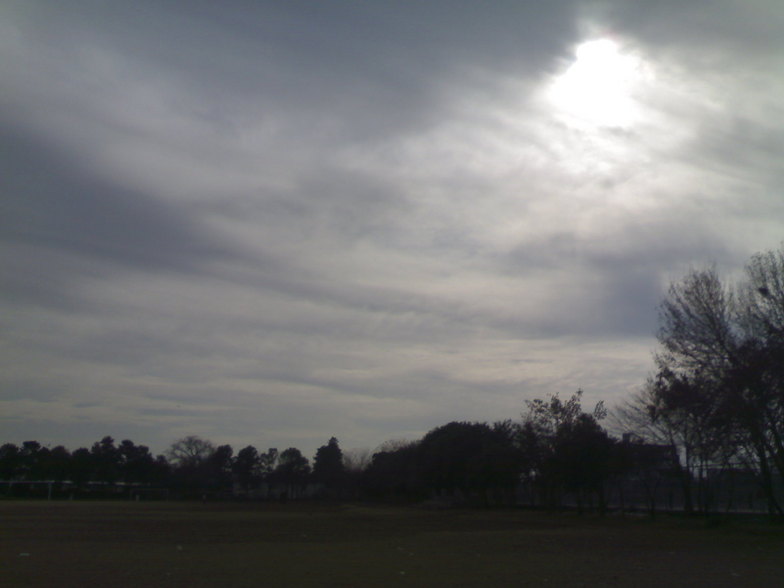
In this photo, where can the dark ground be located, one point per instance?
(193, 544)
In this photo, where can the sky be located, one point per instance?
(271, 223)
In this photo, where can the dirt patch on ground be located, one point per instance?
(180, 544)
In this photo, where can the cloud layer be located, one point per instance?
(270, 224)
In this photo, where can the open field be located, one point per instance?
(181, 544)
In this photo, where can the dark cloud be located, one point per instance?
(363, 71)
(49, 201)
(60, 222)
(710, 31)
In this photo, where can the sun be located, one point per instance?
(597, 88)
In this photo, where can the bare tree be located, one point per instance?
(720, 381)
(755, 384)
(696, 330)
(190, 451)
(357, 460)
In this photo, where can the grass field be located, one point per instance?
(182, 544)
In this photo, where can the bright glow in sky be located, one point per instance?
(598, 87)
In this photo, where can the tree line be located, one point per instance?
(557, 443)
(191, 466)
(711, 417)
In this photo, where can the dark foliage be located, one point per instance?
(328, 466)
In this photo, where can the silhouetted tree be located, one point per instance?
(753, 397)
(355, 464)
(246, 467)
(32, 460)
(137, 464)
(189, 451)
(328, 465)
(218, 468)
(469, 459)
(106, 461)
(57, 464)
(357, 460)
(583, 458)
(721, 361)
(293, 470)
(755, 384)
(10, 462)
(190, 466)
(268, 462)
(565, 449)
(393, 472)
(81, 467)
